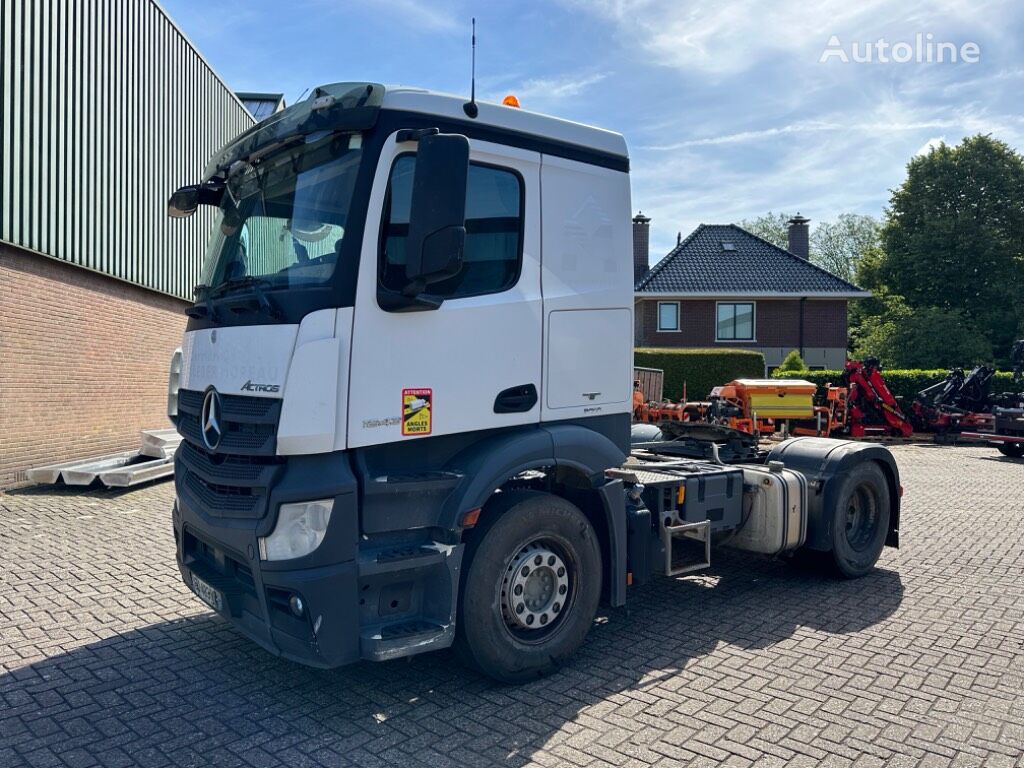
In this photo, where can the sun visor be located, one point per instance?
(339, 106)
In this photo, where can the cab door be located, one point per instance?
(474, 363)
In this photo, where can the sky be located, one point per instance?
(729, 109)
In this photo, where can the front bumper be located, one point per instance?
(257, 600)
(375, 597)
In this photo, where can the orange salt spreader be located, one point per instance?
(756, 405)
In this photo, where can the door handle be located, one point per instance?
(518, 399)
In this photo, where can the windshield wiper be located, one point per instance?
(202, 307)
(256, 284)
(246, 281)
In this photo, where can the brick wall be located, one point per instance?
(825, 324)
(83, 362)
(777, 324)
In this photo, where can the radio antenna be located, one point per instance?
(470, 107)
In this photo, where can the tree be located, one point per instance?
(954, 237)
(839, 245)
(921, 337)
(834, 245)
(862, 312)
(771, 227)
(793, 362)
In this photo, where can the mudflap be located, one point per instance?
(825, 462)
(613, 502)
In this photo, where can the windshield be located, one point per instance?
(282, 218)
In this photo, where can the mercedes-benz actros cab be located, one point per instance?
(405, 393)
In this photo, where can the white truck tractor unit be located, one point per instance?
(405, 392)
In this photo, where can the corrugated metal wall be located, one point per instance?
(106, 110)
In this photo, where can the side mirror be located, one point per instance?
(184, 202)
(437, 216)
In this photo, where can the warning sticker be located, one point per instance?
(416, 413)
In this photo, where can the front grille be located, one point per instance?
(254, 438)
(235, 480)
(224, 500)
(229, 470)
(190, 400)
(248, 424)
(248, 407)
(233, 405)
(246, 439)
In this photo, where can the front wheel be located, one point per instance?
(1013, 450)
(860, 521)
(530, 588)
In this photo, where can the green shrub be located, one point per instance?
(699, 369)
(911, 337)
(793, 363)
(905, 383)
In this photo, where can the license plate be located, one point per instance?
(207, 594)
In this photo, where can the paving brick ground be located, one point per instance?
(107, 659)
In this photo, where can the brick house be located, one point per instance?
(725, 287)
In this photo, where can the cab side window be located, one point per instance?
(494, 224)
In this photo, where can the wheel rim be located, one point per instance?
(538, 588)
(862, 515)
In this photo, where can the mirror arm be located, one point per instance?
(212, 192)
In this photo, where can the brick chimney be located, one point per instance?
(641, 246)
(799, 236)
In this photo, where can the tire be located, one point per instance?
(516, 529)
(1013, 450)
(860, 521)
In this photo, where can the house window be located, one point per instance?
(493, 253)
(668, 315)
(735, 321)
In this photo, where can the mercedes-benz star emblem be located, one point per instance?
(210, 419)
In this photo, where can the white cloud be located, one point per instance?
(734, 37)
(747, 136)
(748, 120)
(558, 87)
(540, 94)
(931, 144)
(820, 126)
(822, 167)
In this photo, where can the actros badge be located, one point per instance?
(250, 387)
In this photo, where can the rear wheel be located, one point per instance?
(1013, 450)
(530, 587)
(860, 521)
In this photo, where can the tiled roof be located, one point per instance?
(724, 259)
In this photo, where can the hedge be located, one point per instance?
(902, 383)
(699, 369)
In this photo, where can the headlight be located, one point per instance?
(300, 529)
